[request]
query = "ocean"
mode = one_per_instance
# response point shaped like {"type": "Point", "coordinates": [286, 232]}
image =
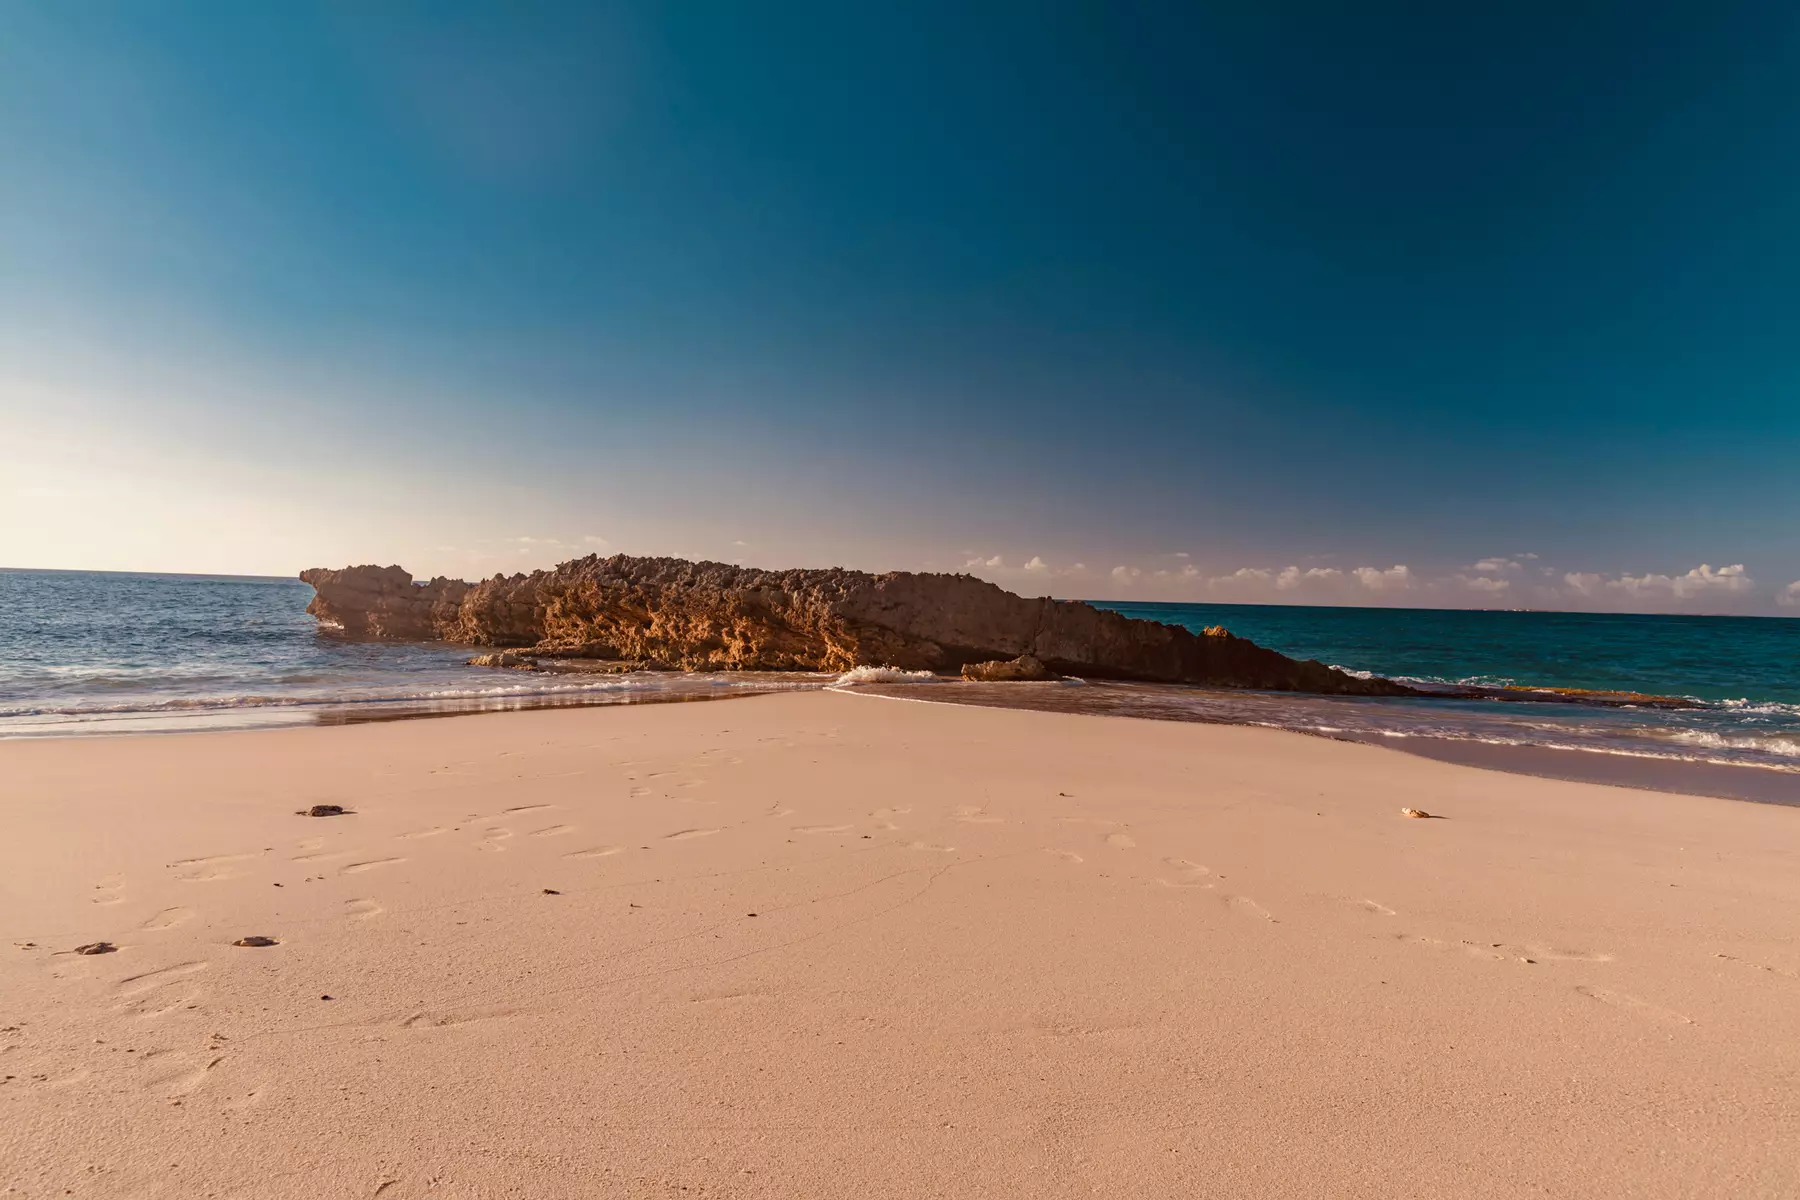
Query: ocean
{"type": "Point", "coordinates": [97, 653]}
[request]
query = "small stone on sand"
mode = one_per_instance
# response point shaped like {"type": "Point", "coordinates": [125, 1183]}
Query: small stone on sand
{"type": "Point", "coordinates": [1414, 812]}
{"type": "Point", "coordinates": [256, 941]}
{"type": "Point", "coordinates": [324, 810]}
{"type": "Point", "coordinates": [96, 948]}
{"type": "Point", "coordinates": [551, 892]}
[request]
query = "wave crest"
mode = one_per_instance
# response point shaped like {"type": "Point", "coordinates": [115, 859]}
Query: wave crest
{"type": "Point", "coordinates": [857, 675]}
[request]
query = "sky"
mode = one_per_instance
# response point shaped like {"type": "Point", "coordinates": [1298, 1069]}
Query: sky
{"type": "Point", "coordinates": [1488, 306]}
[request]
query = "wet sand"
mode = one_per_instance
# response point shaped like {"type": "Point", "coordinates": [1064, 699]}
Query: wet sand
{"type": "Point", "coordinates": [830, 944]}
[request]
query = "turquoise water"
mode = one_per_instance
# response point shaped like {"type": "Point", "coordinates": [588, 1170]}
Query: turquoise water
{"type": "Point", "coordinates": [99, 652]}
{"type": "Point", "coordinates": [1754, 660]}
{"type": "Point", "coordinates": [108, 653]}
{"type": "Point", "coordinates": [1743, 672]}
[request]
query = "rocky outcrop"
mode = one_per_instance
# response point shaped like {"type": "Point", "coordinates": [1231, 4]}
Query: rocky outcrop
{"type": "Point", "coordinates": [384, 602]}
{"type": "Point", "coordinates": [1024, 669]}
{"type": "Point", "coordinates": [711, 616]}
{"type": "Point", "coordinates": [502, 658]}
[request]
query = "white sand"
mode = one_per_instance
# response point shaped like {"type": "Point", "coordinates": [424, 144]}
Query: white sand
{"type": "Point", "coordinates": [993, 954]}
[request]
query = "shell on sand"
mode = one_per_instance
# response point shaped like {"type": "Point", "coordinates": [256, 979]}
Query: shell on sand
{"type": "Point", "coordinates": [1414, 812]}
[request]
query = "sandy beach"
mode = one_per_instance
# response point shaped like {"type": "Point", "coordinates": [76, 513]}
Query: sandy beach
{"type": "Point", "coordinates": [826, 944]}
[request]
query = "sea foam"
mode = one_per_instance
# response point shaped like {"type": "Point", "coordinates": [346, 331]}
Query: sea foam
{"type": "Point", "coordinates": [857, 675]}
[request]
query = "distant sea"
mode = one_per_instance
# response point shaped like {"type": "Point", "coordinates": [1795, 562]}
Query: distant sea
{"type": "Point", "coordinates": [94, 653]}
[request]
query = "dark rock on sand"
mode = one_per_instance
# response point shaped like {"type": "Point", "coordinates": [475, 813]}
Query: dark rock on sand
{"type": "Point", "coordinates": [711, 616]}
{"type": "Point", "coordinates": [96, 948]}
{"type": "Point", "coordinates": [1023, 669]}
{"type": "Point", "coordinates": [256, 941]}
{"type": "Point", "coordinates": [324, 810]}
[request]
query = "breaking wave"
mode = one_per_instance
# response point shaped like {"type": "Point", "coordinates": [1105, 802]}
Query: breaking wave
{"type": "Point", "coordinates": [856, 675]}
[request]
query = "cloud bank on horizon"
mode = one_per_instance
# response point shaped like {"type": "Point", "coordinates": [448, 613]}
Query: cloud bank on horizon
{"type": "Point", "coordinates": [1516, 581]}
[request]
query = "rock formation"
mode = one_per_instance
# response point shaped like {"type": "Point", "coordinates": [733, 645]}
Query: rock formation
{"type": "Point", "coordinates": [710, 616]}
{"type": "Point", "coordinates": [1023, 669]}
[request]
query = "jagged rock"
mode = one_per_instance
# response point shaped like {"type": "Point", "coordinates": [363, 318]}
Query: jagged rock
{"type": "Point", "coordinates": [1023, 669]}
{"type": "Point", "coordinates": [711, 616]}
{"type": "Point", "coordinates": [502, 658]}
{"type": "Point", "coordinates": [384, 602]}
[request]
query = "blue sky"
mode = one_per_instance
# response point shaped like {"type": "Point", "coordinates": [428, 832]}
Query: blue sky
{"type": "Point", "coordinates": [1372, 303]}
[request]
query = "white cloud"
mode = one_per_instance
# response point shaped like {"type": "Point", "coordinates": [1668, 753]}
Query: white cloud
{"type": "Point", "coordinates": [594, 539]}
{"type": "Point", "coordinates": [1583, 583]}
{"type": "Point", "coordinates": [1181, 554]}
{"type": "Point", "coordinates": [993, 564]}
{"type": "Point", "coordinates": [1037, 565]}
{"type": "Point", "coordinates": [1125, 575]}
{"type": "Point", "coordinates": [1245, 577]}
{"type": "Point", "coordinates": [1484, 583]}
{"type": "Point", "coordinates": [1495, 565]}
{"type": "Point", "coordinates": [1527, 555]}
{"type": "Point", "coordinates": [739, 542]}
{"type": "Point", "coordinates": [1701, 581]}
{"type": "Point", "coordinates": [1789, 596]}
{"type": "Point", "coordinates": [1397, 578]}
{"type": "Point", "coordinates": [1293, 577]}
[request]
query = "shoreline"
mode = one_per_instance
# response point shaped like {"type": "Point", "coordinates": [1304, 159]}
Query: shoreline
{"type": "Point", "coordinates": [808, 944]}
{"type": "Point", "coordinates": [1747, 782]}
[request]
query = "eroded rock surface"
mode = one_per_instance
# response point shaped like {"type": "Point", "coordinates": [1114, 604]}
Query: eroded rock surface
{"type": "Point", "coordinates": [1024, 669]}
{"type": "Point", "coordinates": [712, 616]}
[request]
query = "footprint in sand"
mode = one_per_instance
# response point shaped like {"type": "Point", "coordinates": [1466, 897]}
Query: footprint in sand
{"type": "Point", "coordinates": [1374, 906]}
{"type": "Point", "coordinates": [595, 852]}
{"type": "Point", "coordinates": [431, 1020]}
{"type": "Point", "coordinates": [638, 793]}
{"type": "Point", "coordinates": [210, 870]}
{"type": "Point", "coordinates": [362, 910]}
{"type": "Point", "coordinates": [153, 993]}
{"type": "Point", "coordinates": [1633, 1004]}
{"type": "Point", "coordinates": [1757, 966]}
{"type": "Point", "coordinates": [823, 828]}
{"type": "Point", "coordinates": [168, 918]}
{"type": "Point", "coordinates": [682, 835]}
{"type": "Point", "coordinates": [1188, 874]}
{"type": "Point", "coordinates": [1247, 907]}
{"type": "Point", "coordinates": [177, 1075]}
{"type": "Point", "coordinates": [1555, 954]}
{"type": "Point", "coordinates": [1120, 841]}
{"type": "Point", "coordinates": [110, 890]}
{"type": "Point", "coordinates": [416, 834]}
{"type": "Point", "coordinates": [976, 816]}
{"type": "Point", "coordinates": [553, 831]}
{"type": "Point", "coordinates": [357, 868]}
{"type": "Point", "coordinates": [1472, 949]}
{"type": "Point", "coordinates": [928, 846]}
{"type": "Point", "coordinates": [63, 1081]}
{"type": "Point", "coordinates": [1065, 855]}
{"type": "Point", "coordinates": [525, 808]}
{"type": "Point", "coordinates": [491, 839]}
{"type": "Point", "coordinates": [884, 817]}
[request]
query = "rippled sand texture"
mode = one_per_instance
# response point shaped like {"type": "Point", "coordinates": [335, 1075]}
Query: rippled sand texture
{"type": "Point", "coordinates": [830, 944]}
